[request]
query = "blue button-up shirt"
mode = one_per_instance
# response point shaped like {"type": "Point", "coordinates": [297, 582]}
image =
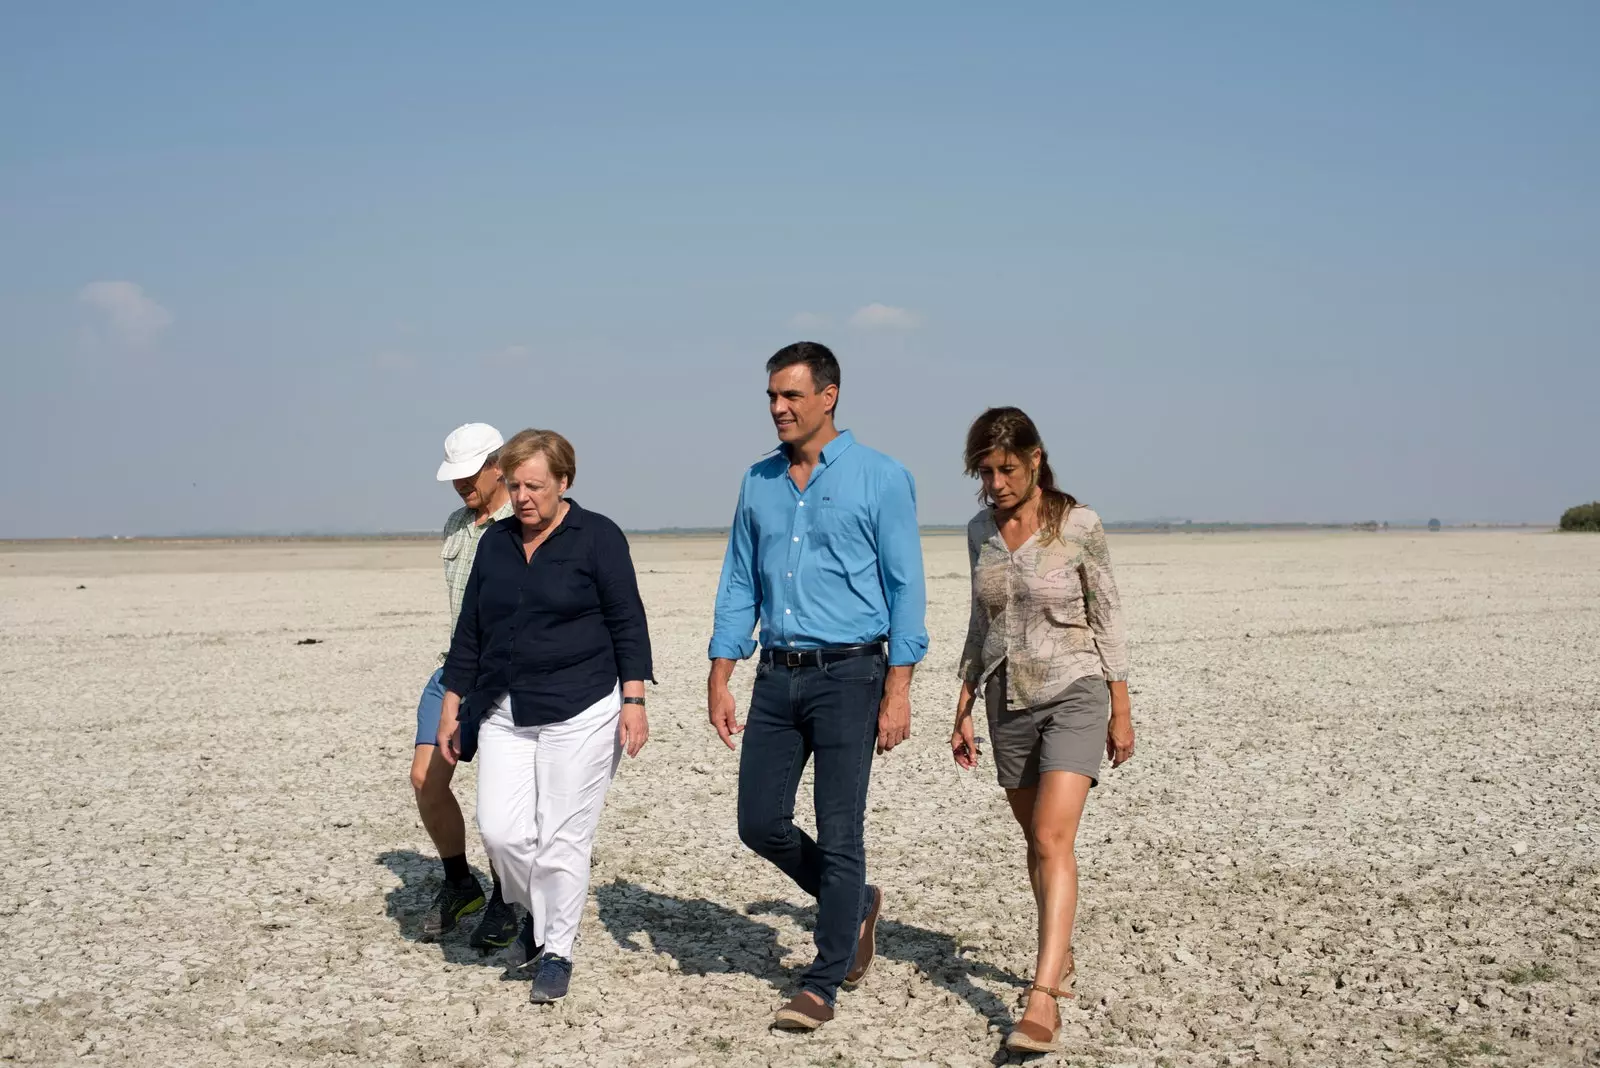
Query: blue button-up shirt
{"type": "Point", "coordinates": [837, 564]}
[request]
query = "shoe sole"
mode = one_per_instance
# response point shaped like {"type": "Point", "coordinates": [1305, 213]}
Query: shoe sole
{"type": "Point", "coordinates": [545, 1001]}
{"type": "Point", "coordinates": [795, 1021]}
{"type": "Point", "coordinates": [1019, 1044]}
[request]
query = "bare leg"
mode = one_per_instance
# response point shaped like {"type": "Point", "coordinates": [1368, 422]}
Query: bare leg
{"type": "Point", "coordinates": [441, 815]}
{"type": "Point", "coordinates": [1057, 807]}
{"type": "Point", "coordinates": [1022, 808]}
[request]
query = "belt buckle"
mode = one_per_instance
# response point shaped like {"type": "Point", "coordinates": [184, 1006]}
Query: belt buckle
{"type": "Point", "coordinates": [793, 659]}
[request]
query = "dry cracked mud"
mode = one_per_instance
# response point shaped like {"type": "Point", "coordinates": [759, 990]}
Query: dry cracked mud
{"type": "Point", "coordinates": [1361, 828]}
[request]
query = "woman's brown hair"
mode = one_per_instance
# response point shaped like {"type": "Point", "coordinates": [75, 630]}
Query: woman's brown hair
{"type": "Point", "coordinates": [556, 450]}
{"type": "Point", "coordinates": [1011, 431]}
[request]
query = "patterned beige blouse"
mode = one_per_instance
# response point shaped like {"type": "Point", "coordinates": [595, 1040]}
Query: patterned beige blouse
{"type": "Point", "coordinates": [1050, 612]}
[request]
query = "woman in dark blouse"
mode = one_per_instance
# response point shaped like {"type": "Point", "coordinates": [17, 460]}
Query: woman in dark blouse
{"type": "Point", "coordinates": [546, 678]}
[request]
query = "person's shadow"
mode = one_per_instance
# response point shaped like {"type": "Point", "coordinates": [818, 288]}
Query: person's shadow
{"type": "Point", "coordinates": [932, 953]}
{"type": "Point", "coordinates": [705, 937]}
{"type": "Point", "coordinates": [407, 903]}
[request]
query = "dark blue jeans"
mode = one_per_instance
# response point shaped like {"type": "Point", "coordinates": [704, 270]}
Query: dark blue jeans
{"type": "Point", "coordinates": [830, 712]}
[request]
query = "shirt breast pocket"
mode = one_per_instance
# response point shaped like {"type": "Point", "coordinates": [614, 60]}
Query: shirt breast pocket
{"type": "Point", "coordinates": [835, 524]}
{"type": "Point", "coordinates": [451, 549]}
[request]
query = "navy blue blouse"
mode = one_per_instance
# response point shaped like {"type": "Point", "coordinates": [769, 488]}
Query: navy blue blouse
{"type": "Point", "coordinates": [556, 632]}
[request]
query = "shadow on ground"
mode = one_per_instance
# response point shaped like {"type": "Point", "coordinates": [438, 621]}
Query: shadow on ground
{"type": "Point", "coordinates": [932, 953]}
{"type": "Point", "coordinates": [707, 938]}
{"type": "Point", "coordinates": [419, 881]}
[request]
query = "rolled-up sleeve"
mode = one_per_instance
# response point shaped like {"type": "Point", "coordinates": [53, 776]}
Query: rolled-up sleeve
{"type": "Point", "coordinates": [623, 608]}
{"type": "Point", "coordinates": [460, 673]}
{"type": "Point", "coordinates": [900, 569]}
{"type": "Point", "coordinates": [738, 592]}
{"type": "Point", "coordinates": [977, 622]}
{"type": "Point", "coordinates": [1103, 606]}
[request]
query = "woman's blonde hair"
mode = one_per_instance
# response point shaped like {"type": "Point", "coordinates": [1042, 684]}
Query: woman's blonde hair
{"type": "Point", "coordinates": [526, 444]}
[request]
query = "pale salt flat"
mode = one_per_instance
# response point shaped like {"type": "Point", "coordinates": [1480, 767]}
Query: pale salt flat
{"type": "Point", "coordinates": [1361, 827]}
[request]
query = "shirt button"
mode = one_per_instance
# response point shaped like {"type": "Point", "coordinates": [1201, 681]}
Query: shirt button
{"type": "Point", "coordinates": [788, 612]}
{"type": "Point", "coordinates": [791, 643]}
{"type": "Point", "coordinates": [790, 575]}
{"type": "Point", "coordinates": [802, 504]}
{"type": "Point", "coordinates": [797, 537]}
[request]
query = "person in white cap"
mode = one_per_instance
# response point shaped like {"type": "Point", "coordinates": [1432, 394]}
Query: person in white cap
{"type": "Point", "coordinates": [469, 465]}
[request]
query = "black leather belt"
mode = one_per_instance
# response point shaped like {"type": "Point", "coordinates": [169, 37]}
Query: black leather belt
{"type": "Point", "coordinates": [795, 658]}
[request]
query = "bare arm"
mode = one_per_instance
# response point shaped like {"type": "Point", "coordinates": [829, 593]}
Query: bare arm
{"type": "Point", "coordinates": [1119, 732]}
{"type": "Point", "coordinates": [894, 711]}
{"type": "Point", "coordinates": [963, 740]}
{"type": "Point", "coordinates": [449, 737]}
{"type": "Point", "coordinates": [719, 700]}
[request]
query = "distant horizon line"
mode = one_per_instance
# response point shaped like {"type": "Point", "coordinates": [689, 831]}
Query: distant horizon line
{"type": "Point", "coordinates": [1152, 526]}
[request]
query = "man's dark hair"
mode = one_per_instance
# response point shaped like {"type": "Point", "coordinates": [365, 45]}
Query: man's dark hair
{"type": "Point", "coordinates": [817, 357]}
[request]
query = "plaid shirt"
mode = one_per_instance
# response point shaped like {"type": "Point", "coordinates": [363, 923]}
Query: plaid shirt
{"type": "Point", "coordinates": [461, 537]}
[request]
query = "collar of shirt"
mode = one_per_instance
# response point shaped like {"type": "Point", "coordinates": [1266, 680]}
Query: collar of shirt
{"type": "Point", "coordinates": [465, 519]}
{"type": "Point", "coordinates": [830, 452]}
{"type": "Point", "coordinates": [839, 563]}
{"type": "Point", "coordinates": [573, 520]}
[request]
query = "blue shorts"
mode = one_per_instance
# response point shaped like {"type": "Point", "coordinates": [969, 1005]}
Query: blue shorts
{"type": "Point", "coordinates": [429, 709]}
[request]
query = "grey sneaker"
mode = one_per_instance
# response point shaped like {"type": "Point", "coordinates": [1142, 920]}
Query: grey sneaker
{"type": "Point", "coordinates": [551, 982]}
{"type": "Point", "coordinates": [454, 901]}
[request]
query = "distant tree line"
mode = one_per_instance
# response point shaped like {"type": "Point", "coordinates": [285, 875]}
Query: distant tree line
{"type": "Point", "coordinates": [1582, 517]}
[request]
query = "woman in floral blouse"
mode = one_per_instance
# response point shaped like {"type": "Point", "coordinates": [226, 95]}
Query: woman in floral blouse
{"type": "Point", "coordinates": [1047, 651]}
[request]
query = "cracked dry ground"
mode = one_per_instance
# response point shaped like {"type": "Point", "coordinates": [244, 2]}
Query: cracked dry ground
{"type": "Point", "coordinates": [1361, 828]}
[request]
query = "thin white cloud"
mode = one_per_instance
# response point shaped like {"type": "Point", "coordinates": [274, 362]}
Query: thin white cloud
{"type": "Point", "coordinates": [885, 317]}
{"type": "Point", "coordinates": [809, 321]}
{"type": "Point", "coordinates": [130, 316]}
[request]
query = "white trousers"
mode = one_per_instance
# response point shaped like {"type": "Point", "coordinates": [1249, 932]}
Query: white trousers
{"type": "Point", "coordinates": [540, 791]}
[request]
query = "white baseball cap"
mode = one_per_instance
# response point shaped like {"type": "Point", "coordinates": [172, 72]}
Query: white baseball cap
{"type": "Point", "coordinates": [465, 450]}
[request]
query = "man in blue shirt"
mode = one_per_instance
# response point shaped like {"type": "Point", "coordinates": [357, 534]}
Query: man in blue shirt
{"type": "Point", "coordinates": [826, 555]}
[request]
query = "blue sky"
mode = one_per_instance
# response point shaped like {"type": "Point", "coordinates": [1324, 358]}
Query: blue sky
{"type": "Point", "coordinates": [1244, 260]}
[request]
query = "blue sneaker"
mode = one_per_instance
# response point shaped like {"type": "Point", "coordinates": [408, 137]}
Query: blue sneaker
{"type": "Point", "coordinates": [551, 982]}
{"type": "Point", "coordinates": [526, 953]}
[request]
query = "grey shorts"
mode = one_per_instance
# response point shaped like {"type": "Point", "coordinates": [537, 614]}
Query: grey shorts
{"type": "Point", "coordinates": [1067, 733]}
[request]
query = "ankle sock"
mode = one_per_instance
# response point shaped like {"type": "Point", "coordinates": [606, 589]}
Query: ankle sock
{"type": "Point", "coordinates": [456, 869]}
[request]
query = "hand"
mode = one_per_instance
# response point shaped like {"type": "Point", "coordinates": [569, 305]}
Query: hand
{"type": "Point", "coordinates": [963, 744]}
{"type": "Point", "coordinates": [449, 738]}
{"type": "Point", "coordinates": [1119, 738]}
{"type": "Point", "coordinates": [894, 719]}
{"type": "Point", "coordinates": [633, 729]}
{"type": "Point", "coordinates": [719, 703]}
